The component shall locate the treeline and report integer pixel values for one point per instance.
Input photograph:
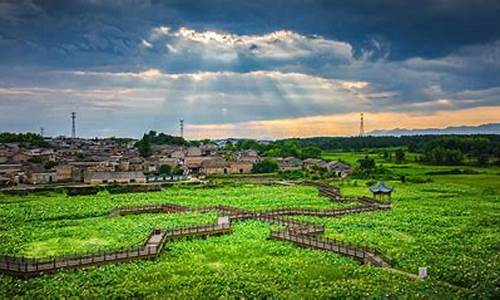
(479, 150)
(414, 143)
(29, 138)
(151, 138)
(454, 150)
(284, 148)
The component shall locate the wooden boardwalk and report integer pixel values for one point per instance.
(300, 233)
(24, 267)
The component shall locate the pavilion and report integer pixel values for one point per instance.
(381, 190)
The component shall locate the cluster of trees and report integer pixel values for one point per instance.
(166, 170)
(266, 165)
(480, 150)
(367, 168)
(283, 148)
(399, 156)
(144, 145)
(414, 143)
(454, 150)
(29, 138)
(352, 143)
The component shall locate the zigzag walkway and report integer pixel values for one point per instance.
(25, 267)
(300, 233)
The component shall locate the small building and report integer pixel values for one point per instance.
(209, 149)
(20, 158)
(42, 177)
(123, 165)
(5, 181)
(338, 169)
(150, 167)
(66, 173)
(250, 156)
(12, 171)
(114, 177)
(172, 162)
(240, 167)
(180, 154)
(381, 191)
(193, 163)
(289, 163)
(136, 164)
(214, 166)
(314, 162)
(220, 166)
(193, 151)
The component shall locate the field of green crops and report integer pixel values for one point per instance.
(451, 225)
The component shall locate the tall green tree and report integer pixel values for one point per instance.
(311, 152)
(144, 146)
(400, 156)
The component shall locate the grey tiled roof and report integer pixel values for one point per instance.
(381, 188)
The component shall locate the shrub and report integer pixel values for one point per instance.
(453, 172)
(417, 179)
(265, 166)
(292, 174)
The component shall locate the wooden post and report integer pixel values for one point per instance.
(422, 272)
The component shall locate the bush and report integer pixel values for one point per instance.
(50, 164)
(292, 175)
(120, 189)
(165, 170)
(418, 179)
(400, 156)
(311, 152)
(82, 191)
(453, 172)
(371, 183)
(265, 166)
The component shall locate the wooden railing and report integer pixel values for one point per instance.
(361, 254)
(152, 246)
(289, 211)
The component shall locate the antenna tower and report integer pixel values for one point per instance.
(73, 126)
(181, 124)
(362, 126)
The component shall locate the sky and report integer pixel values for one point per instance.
(255, 69)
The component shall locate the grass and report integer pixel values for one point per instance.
(450, 225)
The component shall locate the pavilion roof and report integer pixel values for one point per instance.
(381, 188)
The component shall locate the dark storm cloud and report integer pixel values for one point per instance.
(107, 29)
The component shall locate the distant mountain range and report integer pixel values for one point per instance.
(493, 128)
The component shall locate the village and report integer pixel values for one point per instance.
(71, 161)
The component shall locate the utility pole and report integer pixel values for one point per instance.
(73, 125)
(181, 125)
(362, 126)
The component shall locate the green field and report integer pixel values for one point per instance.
(450, 224)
